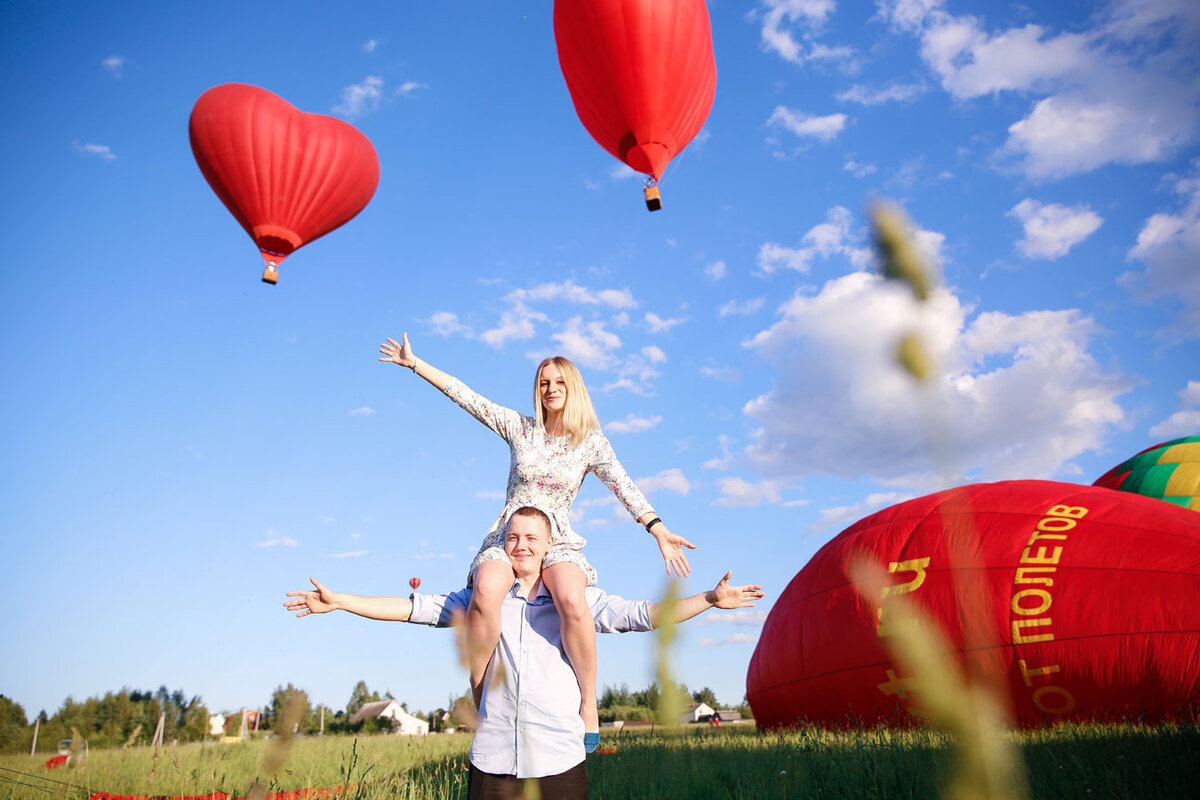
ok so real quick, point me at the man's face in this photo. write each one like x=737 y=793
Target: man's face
x=526 y=543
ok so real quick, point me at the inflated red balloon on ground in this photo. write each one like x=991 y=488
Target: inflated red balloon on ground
x=287 y=176
x=1081 y=602
x=641 y=73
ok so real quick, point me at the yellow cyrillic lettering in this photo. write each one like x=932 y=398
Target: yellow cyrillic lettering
x=1042 y=595
x=1023 y=574
x=1074 y=512
x=1060 y=524
x=1067 y=701
x=1027 y=673
x=1041 y=557
x=1019 y=637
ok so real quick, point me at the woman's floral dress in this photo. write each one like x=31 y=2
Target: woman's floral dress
x=546 y=472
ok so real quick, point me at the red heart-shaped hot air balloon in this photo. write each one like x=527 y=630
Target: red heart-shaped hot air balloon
x=287 y=176
x=1079 y=601
x=642 y=76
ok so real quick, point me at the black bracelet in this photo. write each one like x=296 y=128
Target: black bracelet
x=652 y=523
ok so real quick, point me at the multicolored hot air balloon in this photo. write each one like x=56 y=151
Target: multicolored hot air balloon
x=288 y=177
x=1169 y=471
x=1079 y=600
x=641 y=74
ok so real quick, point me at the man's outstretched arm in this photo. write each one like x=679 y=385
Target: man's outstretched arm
x=323 y=600
x=721 y=596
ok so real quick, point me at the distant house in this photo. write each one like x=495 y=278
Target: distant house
x=696 y=712
x=402 y=722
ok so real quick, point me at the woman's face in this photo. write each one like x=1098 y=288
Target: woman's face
x=552 y=389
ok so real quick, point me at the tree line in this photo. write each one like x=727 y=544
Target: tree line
x=129 y=717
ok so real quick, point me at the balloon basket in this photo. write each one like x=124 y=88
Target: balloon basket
x=270 y=275
x=653 y=198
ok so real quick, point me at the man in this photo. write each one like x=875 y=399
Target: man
x=529 y=724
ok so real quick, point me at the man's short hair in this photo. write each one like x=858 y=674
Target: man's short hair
x=535 y=513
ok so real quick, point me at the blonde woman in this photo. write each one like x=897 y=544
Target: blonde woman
x=551 y=454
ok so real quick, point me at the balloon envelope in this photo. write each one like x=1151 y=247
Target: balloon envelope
x=288 y=177
x=415 y=583
x=641 y=74
x=1168 y=471
x=1079 y=601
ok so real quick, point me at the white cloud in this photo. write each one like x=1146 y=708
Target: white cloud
x=743 y=308
x=715 y=271
x=1073 y=133
x=724 y=374
x=446 y=324
x=843 y=516
x=737 y=638
x=588 y=343
x=824 y=128
x=114 y=65
x=570 y=292
x=740 y=493
x=370 y=45
x=361 y=98
x=276 y=540
x=515 y=323
x=895 y=93
x=659 y=325
x=669 y=480
x=740 y=617
x=723 y=461
x=622 y=172
x=638 y=370
x=1169 y=247
x=859 y=170
x=1122 y=92
x=365 y=411
x=347 y=554
x=633 y=424
x=790 y=26
x=1185 y=421
x=101 y=150
x=1052 y=230
x=831 y=237
x=1020 y=394
x=423 y=556
x=489 y=494
x=408 y=87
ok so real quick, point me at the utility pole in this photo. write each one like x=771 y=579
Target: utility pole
x=36 y=724
x=322 y=733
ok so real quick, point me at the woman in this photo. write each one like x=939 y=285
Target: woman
x=551 y=453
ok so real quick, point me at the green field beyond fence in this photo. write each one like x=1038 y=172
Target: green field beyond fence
x=1076 y=761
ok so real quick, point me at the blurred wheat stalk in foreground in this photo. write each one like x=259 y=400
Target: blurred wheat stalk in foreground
x=967 y=706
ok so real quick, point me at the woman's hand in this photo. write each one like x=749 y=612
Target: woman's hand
x=397 y=353
x=726 y=596
x=319 y=602
x=671 y=547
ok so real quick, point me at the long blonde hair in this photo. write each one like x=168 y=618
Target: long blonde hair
x=579 y=416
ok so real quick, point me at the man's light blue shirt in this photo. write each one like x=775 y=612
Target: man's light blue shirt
x=529 y=723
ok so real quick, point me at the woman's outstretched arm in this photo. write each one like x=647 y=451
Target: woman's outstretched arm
x=402 y=354
x=323 y=600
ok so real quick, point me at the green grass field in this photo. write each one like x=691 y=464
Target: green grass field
x=1078 y=761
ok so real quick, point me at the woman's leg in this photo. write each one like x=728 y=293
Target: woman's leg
x=566 y=583
x=492 y=581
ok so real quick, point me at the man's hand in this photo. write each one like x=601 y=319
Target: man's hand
x=725 y=596
x=319 y=602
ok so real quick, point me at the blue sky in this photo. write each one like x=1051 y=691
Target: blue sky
x=183 y=444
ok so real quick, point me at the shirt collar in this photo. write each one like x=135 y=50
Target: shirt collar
x=540 y=596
